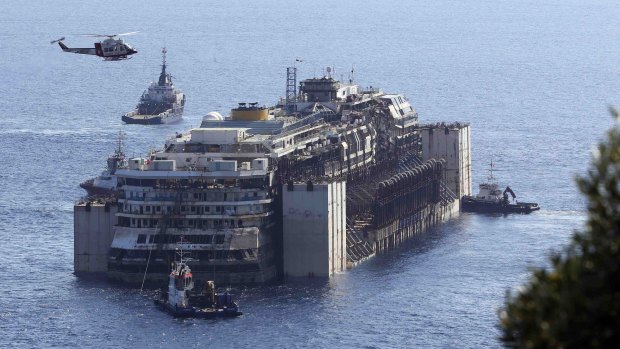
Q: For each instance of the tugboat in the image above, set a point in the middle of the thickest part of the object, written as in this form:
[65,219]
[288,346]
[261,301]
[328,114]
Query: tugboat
[105,184]
[162,103]
[179,300]
[491,199]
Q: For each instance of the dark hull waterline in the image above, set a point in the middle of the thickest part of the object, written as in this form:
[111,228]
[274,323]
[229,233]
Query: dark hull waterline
[195,312]
[469,204]
[156,120]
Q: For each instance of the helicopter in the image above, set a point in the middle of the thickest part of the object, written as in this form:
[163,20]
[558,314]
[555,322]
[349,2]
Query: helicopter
[111,49]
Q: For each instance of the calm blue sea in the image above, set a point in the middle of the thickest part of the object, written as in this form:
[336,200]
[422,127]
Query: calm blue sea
[534,79]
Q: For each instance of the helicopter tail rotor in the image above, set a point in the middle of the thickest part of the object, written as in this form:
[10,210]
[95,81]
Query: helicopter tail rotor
[55,41]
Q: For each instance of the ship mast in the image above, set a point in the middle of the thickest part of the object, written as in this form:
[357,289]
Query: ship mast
[163,77]
[119,142]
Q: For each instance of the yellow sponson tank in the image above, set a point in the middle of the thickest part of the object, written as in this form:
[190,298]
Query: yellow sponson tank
[249,112]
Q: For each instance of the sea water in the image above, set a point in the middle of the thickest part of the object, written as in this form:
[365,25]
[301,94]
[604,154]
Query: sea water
[534,79]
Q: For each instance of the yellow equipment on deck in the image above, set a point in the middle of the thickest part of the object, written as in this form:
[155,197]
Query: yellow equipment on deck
[249,112]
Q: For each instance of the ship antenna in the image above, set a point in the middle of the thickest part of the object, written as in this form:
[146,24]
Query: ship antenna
[491,178]
[162,76]
[291,87]
[351,77]
[119,141]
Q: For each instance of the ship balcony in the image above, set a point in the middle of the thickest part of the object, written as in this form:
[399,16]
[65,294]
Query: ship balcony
[172,201]
[193,239]
[210,194]
[203,223]
[138,215]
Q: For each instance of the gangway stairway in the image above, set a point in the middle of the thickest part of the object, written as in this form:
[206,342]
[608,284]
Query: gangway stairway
[358,249]
[447,195]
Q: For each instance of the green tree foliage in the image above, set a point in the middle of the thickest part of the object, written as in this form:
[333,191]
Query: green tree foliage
[576,302]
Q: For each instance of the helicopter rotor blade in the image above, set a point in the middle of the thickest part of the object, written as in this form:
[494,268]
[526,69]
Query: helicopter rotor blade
[108,35]
[97,35]
[127,34]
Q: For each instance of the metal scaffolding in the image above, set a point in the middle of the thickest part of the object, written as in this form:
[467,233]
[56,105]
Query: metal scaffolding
[291,89]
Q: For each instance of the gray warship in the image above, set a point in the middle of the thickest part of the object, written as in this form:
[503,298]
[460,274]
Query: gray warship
[161,103]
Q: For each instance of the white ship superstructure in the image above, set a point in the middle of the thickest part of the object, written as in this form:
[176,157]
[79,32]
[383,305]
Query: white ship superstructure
[192,189]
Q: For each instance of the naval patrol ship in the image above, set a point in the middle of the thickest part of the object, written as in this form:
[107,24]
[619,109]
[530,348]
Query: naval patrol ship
[161,103]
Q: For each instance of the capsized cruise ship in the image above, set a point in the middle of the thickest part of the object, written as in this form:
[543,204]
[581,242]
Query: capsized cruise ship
[219,187]
[161,103]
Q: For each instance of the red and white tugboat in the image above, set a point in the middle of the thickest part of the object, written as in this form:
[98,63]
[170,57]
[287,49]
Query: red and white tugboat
[180,301]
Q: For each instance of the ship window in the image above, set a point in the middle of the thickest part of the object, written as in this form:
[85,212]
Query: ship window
[193,209]
[195,195]
[207,208]
[141,238]
[250,252]
[158,208]
[219,239]
[147,208]
[151,238]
